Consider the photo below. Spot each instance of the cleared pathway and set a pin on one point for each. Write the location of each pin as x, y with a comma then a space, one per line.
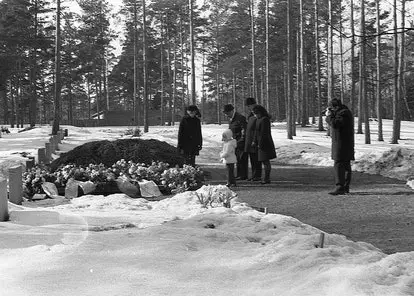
378, 210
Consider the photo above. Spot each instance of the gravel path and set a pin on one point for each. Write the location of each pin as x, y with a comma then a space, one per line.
378, 210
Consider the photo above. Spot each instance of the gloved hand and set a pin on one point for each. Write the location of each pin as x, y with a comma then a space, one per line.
199, 147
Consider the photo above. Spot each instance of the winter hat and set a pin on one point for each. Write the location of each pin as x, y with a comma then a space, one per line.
335, 103
250, 101
192, 108
228, 108
228, 134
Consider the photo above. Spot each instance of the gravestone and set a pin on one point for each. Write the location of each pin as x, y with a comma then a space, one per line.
4, 210
41, 155
56, 141
15, 185
48, 153
30, 164
59, 137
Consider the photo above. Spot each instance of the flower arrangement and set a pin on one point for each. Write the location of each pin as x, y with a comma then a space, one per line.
170, 180
213, 196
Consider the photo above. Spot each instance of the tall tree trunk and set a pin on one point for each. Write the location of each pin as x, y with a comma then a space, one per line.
361, 94
378, 82
135, 97
56, 119
289, 70
341, 52
145, 66
174, 94
33, 72
305, 118
183, 103
331, 80
162, 72
218, 76
362, 78
353, 68
318, 67
252, 35
402, 65
267, 57
396, 103
193, 80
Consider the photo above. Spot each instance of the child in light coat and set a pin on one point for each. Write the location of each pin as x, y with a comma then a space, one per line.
228, 156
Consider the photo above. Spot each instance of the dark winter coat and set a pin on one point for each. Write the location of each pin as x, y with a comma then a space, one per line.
250, 131
264, 141
342, 133
237, 124
190, 139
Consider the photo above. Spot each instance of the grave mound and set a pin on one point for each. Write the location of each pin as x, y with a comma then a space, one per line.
109, 152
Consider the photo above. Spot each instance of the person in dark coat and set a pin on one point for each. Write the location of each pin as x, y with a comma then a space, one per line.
237, 124
249, 149
264, 141
341, 122
190, 140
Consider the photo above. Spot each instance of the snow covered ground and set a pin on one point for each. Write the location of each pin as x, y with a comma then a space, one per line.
117, 245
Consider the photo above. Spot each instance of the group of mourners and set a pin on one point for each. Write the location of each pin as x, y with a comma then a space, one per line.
251, 138
244, 139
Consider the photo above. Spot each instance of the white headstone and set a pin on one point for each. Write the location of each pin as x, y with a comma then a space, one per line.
15, 185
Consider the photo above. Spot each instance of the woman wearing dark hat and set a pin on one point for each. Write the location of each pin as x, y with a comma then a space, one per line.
249, 139
264, 141
190, 140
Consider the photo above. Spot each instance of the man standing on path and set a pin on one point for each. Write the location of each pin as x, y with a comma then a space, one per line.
341, 121
250, 149
237, 124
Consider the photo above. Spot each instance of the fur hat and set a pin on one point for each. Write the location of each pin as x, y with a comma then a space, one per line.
250, 101
228, 108
192, 108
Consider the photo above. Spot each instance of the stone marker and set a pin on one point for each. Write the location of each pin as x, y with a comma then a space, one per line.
59, 137
30, 164
41, 155
15, 185
4, 208
52, 145
48, 153
56, 140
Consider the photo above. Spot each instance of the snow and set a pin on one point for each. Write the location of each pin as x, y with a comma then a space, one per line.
117, 245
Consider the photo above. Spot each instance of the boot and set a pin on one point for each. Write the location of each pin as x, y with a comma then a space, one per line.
339, 190
346, 188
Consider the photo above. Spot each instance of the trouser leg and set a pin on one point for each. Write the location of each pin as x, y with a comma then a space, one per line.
267, 169
230, 173
242, 164
256, 166
340, 170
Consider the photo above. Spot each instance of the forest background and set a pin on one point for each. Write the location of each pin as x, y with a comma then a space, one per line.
59, 64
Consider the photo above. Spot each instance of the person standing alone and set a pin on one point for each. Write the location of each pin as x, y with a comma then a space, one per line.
237, 124
190, 140
341, 122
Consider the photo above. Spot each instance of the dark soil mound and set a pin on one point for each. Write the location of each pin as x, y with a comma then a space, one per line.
109, 152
